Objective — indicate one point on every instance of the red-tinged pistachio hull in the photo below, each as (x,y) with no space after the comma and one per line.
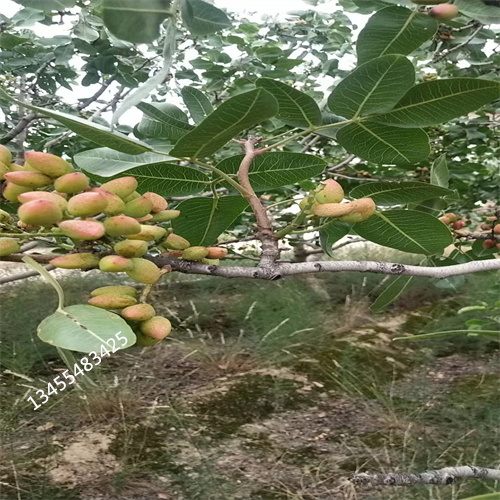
(82,229)
(29,179)
(87,204)
(362,210)
(138,207)
(47,164)
(40,213)
(216,253)
(195,253)
(75,182)
(330,192)
(112,301)
(76,261)
(175,242)
(121,225)
(332,209)
(157,327)
(114,290)
(5,155)
(115,264)
(115,205)
(43,195)
(12,191)
(139,312)
(166,216)
(159,203)
(444,12)
(8,246)
(144,271)
(131,248)
(122,187)
(148,233)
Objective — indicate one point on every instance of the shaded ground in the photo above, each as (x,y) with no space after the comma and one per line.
(261,393)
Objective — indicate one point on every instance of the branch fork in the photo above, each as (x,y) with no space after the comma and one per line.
(270,249)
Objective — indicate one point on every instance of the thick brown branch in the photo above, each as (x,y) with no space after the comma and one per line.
(265,233)
(444,476)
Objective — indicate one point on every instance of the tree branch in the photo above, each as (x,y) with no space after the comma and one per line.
(459,46)
(93,98)
(447,475)
(270,249)
(341,164)
(282,269)
(23,276)
(481,236)
(20,127)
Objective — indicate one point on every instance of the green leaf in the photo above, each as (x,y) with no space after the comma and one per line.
(295,107)
(83,31)
(108,163)
(440,175)
(202,220)
(394,30)
(27,17)
(495,334)
(228,120)
(197,103)
(152,171)
(47,5)
(395,288)
(477,10)
(438,101)
(136,21)
(163,120)
(8,41)
(399,193)
(91,131)
(84,328)
(382,144)
(276,169)
(406,230)
(329,235)
(488,496)
(374,87)
(201,18)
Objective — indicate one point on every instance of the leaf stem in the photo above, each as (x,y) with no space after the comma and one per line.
(26,235)
(286,140)
(299,220)
(316,228)
(333,125)
(50,279)
(215,170)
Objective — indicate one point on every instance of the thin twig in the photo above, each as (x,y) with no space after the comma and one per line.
(459,46)
(342,164)
(20,127)
(361,179)
(23,276)
(93,98)
(444,476)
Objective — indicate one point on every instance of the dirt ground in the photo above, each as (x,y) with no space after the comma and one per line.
(207,416)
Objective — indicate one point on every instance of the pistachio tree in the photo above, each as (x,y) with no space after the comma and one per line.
(250,132)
